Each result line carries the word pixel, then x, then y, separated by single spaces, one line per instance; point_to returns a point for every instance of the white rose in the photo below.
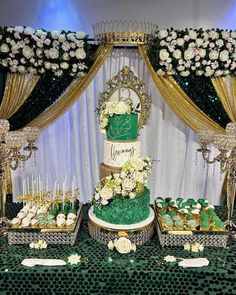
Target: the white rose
pixel 180 68
pixel 192 34
pixel 111 106
pixel 225 35
pixel 47 65
pixel 224 55
pixel 62 38
pixel 219 42
pixel 55 34
pixel 53 53
pixel 173 35
pixel 64 65
pixel 180 41
pixel 27 52
pixel 184 73
pixel 138 176
pixel 164 54
pixel 39 33
pixel 110 245
pixel 74 259
pixel 162 34
pixel 4 48
pixel 233 34
pixel 80 35
pixel 39 52
pixel 123 174
pixel 199 42
pixel 106 193
pixel 29 31
pixel 189 54
pixel 218 73
pixel 65 56
pixel 132 195
pixel 205 36
pixel 202 52
pixel 118 190
pixel 199 73
pixel 213 35
pixel 177 54
pixel 123 245
pixel 80 53
pixel 21 69
pixel 104 202
pixel 19 29
pixel 128 184
pixel 122 108
pixel 209 72
pixel 160 72
pixel 213 54
pixel 136 163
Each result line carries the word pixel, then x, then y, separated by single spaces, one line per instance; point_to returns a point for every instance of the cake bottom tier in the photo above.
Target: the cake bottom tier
pixel 125 211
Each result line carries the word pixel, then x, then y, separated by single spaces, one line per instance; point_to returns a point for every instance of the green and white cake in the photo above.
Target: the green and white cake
pixel 120 199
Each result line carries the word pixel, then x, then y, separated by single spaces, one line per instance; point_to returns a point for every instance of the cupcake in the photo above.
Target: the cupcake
pixel 161 212
pixel 60 222
pixel 26 222
pixel 171 213
pixel 188 217
pixel 34 222
pixel 70 222
pixel 179 225
pixel 182 213
pixel 191 224
pixel 168 224
pixel 219 225
pixel 205 224
pixel 195 213
pixel 16 221
pixel 176 218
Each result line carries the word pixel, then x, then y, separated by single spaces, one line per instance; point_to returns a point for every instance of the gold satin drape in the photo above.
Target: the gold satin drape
pixel 226 90
pixel 73 92
pixel 179 102
pixel 17 90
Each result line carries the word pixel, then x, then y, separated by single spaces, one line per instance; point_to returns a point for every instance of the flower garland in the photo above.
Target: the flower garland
pixel 125 184
pixel 36 51
pixel 184 52
pixel 111 107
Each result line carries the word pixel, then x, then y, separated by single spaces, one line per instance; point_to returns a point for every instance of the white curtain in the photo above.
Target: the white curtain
pixel 73 145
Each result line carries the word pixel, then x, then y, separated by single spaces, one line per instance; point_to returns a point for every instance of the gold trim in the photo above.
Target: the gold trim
pixel 72 93
pixel 127 80
pixel 178 101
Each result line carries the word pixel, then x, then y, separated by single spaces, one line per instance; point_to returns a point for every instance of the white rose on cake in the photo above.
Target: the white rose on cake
pixel 111 106
pixel 128 184
pixel 106 193
pixel 138 176
pixel 123 245
pixel 136 163
pixel 122 108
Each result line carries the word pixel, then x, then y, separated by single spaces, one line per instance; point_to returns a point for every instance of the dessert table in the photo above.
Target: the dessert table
pixel 108 272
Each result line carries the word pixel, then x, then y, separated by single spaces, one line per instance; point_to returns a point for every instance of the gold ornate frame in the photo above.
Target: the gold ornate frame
pixel 126 79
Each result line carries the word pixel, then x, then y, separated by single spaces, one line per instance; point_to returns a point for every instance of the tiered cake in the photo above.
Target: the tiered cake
pixel 121 201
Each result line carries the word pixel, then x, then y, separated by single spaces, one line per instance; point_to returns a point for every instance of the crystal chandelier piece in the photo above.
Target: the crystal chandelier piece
pixel 225 142
pixel 15 147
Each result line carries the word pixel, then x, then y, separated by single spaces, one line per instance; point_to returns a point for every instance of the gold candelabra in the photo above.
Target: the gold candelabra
pixel 225 142
pixel 15 147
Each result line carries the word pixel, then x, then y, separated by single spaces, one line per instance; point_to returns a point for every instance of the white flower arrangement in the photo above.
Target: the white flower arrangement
pixel 111 107
pixel 123 245
pixel 195 247
pixel 203 53
pixel 27 50
pixel 126 184
pixel 40 244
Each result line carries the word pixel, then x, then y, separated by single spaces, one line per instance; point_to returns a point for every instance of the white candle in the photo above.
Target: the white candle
pixel 24 186
pixel 47 183
pixel 28 186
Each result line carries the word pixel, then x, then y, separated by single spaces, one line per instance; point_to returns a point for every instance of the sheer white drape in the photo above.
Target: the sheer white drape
pixel 73 145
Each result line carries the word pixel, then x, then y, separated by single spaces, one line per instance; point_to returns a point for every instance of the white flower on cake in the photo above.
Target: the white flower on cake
pixel 74 259
pixel 125 184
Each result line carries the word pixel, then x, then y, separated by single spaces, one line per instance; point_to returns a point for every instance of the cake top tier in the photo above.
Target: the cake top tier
pixel 119 119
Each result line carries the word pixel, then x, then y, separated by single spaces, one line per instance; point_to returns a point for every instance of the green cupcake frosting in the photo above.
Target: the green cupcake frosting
pixel 192 224
pixel 167 200
pixel 179 224
pixel 205 224
pixel 166 217
pixel 159 199
pixel 203 214
pixel 162 212
pixel 176 218
pixel 191 202
pixel 179 200
pixel 171 213
pixel 219 224
pixel 189 217
pixel 169 223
